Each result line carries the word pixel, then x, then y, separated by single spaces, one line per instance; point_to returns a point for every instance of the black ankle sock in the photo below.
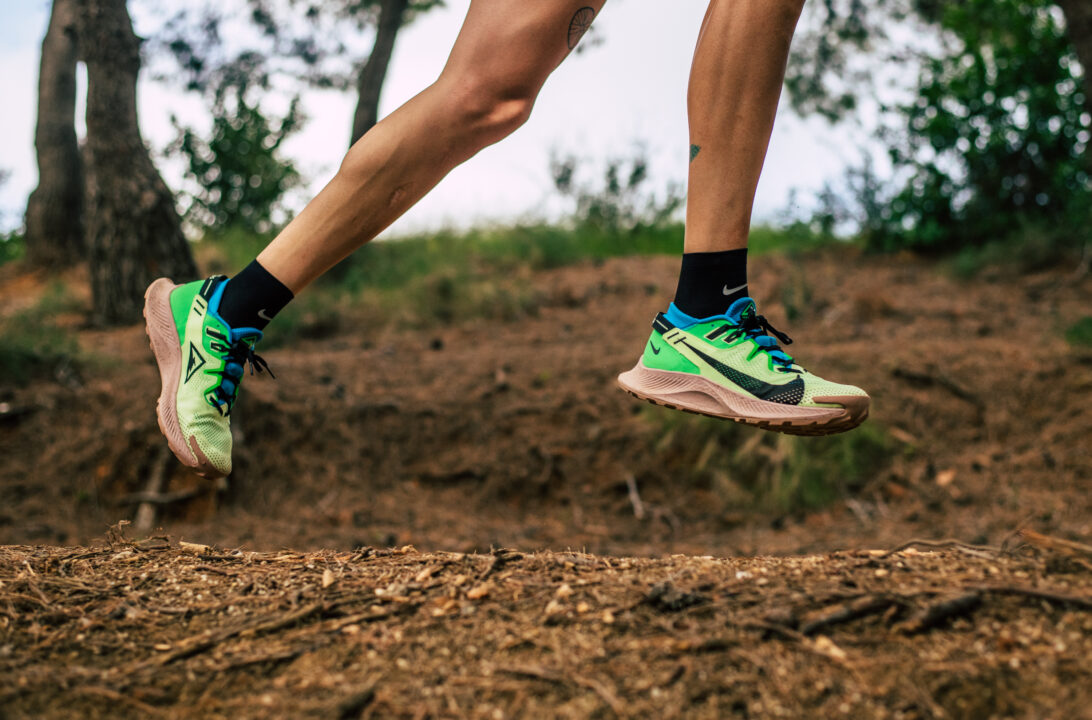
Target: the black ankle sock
pixel 253 297
pixel 711 281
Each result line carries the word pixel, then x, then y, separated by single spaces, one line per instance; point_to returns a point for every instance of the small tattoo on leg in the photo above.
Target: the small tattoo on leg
pixel 694 150
pixel 582 20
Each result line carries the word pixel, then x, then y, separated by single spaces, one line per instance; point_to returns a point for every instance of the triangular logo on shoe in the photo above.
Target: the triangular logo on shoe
pixel 195 362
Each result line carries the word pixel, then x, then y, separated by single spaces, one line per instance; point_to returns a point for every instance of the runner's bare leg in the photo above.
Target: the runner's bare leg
pixel 502 56
pixel 735 84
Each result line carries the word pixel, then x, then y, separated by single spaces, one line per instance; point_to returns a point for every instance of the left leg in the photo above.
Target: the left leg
pixel 204 333
pixel 710 352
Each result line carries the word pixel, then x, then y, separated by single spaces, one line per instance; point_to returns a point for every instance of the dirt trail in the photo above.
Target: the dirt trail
pixel 148 630
pixel 480 434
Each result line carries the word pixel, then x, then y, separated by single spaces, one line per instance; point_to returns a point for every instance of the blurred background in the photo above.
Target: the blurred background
pixel 921 229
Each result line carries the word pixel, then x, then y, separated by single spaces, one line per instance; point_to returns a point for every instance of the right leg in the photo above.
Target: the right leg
pixel 711 352
pixel 203 333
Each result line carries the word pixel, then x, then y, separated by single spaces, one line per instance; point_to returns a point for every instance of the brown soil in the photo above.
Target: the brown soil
pixel 147 630
pixel 482 434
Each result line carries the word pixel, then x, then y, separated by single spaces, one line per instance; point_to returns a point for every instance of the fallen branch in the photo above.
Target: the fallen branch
pixel 1046 542
pixel 115 696
pixel 146 511
pixel 848 612
pixel 981 551
pixel 1083 602
pixel 635 497
pixel 195 645
pixel 604 694
pixel 940 612
pixel 499 558
pixel 537 673
pixel 353 706
pixel 923 378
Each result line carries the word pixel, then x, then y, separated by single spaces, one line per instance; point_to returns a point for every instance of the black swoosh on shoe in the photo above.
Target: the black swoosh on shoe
pixel 791 393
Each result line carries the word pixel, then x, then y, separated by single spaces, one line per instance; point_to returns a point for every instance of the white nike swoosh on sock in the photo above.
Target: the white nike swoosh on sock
pixel 263 316
pixel 728 291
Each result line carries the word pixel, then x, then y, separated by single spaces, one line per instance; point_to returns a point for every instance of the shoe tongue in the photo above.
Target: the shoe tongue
pixel 742 308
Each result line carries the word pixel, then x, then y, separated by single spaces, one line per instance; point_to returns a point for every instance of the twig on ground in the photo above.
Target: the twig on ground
pixel 275 656
pixel 537 673
pixel 1085 603
pixel 115 696
pixel 848 612
pixel 194 645
pixel 943 381
pixel 146 511
pixel 981 551
pixel 499 558
pixel 604 694
pixel 1046 542
pixel 939 612
pixel 354 705
pixel 635 497
pixel 786 633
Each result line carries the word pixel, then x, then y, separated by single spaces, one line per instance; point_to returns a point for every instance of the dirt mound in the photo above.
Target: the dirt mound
pixel 153 629
pixel 391 434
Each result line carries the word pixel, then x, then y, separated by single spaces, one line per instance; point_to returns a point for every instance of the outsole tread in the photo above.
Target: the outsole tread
pixel 833 427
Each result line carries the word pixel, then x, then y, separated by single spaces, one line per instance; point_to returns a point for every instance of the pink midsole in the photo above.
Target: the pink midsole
pixel 168 355
pixel 694 392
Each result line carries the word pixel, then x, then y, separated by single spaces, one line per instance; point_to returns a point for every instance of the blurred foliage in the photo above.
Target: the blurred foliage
pixel 994 142
pixel 31 342
pixel 12 246
pixel 820 77
pixel 769 471
pixel 998 137
pixel 300 40
pixel 441 277
pixel 236 171
pixel 622 203
pixel 1080 332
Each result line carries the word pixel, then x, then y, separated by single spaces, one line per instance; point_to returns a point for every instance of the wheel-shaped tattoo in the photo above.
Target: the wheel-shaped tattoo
pixel 582 20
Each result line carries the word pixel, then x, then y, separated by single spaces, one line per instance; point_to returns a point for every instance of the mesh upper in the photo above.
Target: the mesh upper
pixel 196 417
pixel 739 357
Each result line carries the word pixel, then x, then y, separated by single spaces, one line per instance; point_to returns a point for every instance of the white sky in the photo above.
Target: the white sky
pixel 598 104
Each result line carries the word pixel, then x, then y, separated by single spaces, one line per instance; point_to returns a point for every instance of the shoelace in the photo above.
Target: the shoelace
pixel 756 327
pixel 238 356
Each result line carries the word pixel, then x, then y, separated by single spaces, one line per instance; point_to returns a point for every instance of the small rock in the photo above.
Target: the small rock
pixel 478 592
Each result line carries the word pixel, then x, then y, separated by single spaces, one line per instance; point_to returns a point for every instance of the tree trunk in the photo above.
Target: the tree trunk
pixel 133 228
pixel 54 218
pixel 1078 19
pixel 369 83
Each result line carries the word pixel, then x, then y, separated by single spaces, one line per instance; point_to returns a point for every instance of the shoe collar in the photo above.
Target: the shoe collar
pixel 234 334
pixel 733 314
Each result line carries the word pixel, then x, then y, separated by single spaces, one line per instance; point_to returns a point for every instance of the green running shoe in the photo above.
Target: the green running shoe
pixel 727 366
pixel 201 361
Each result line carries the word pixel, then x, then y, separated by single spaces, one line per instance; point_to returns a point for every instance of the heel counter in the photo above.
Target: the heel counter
pixel 661 355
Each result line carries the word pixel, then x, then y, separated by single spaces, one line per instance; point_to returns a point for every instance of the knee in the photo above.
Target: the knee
pixel 486 110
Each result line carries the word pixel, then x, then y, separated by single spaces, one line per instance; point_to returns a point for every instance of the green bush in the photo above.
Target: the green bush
pixel 753 469
pixel 444 276
pixel 997 139
pixel 12 246
pixel 1079 333
pixel 622 203
pixel 237 175
pixel 31 343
